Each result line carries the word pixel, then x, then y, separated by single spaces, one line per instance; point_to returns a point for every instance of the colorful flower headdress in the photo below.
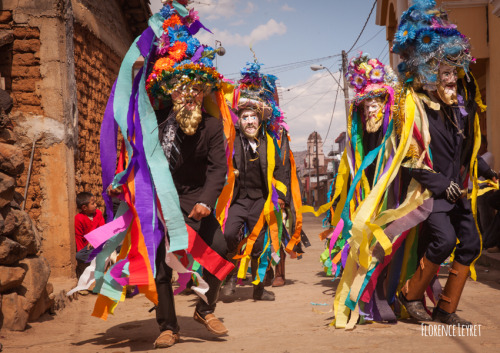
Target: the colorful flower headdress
pixel 369 77
pixel 259 92
pixel 424 39
pixel 180 57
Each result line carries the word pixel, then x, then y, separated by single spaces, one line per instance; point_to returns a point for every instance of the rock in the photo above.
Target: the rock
pixel 18 197
pixel 44 304
pixel 11 251
pixel 11 220
pixel 8 136
pixel 11 159
pixel 11 277
pixel 15 317
pixel 35 281
pixel 24 233
pixel 7 189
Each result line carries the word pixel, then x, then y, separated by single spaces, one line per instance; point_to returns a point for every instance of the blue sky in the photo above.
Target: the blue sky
pixel 287 37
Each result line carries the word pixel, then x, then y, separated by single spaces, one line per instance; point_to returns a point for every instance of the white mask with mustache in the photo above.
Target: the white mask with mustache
pixel 249 123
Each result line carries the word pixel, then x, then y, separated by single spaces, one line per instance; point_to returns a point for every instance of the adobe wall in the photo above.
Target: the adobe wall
pixel 96 68
pixel 39 76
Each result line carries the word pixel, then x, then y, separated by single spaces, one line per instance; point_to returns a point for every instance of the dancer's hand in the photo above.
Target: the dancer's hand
pixel 199 211
pixel 114 192
pixel 453 192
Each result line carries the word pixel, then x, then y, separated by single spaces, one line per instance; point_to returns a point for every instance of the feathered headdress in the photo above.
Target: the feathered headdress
pixel 369 77
pixel 180 57
pixel 259 92
pixel 424 39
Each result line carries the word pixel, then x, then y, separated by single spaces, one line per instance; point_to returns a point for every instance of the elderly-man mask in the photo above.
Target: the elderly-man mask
pixel 374 110
pixel 249 123
pixel 187 101
pixel 447 84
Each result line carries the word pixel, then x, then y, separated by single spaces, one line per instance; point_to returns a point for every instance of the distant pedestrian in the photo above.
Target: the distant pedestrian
pixel 88 219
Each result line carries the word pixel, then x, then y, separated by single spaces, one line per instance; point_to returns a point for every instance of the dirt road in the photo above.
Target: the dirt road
pixel 293 323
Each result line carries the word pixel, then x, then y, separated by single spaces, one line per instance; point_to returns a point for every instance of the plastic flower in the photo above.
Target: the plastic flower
pixel 425 4
pixel 163 45
pixel 177 51
pixel 427 41
pixel 377 74
pixel 163 64
pixel 405 34
pixel 192 46
pixel 358 81
pixel 374 63
pixel 178 34
pixel 182 63
pixel 207 62
pixel 192 17
pixel 166 11
pixel 171 22
pixel 364 68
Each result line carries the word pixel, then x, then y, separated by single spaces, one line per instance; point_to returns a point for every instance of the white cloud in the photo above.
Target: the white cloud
pixel 258 34
pixel 287 8
pixel 251 7
pixel 237 23
pixel 309 108
pixel 214 9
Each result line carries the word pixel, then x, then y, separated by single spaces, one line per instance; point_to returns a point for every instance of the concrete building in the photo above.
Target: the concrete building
pixel 59 69
pixel 479 20
pixel 315 168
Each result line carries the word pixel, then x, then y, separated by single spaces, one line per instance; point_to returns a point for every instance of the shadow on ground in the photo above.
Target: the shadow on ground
pixel 139 335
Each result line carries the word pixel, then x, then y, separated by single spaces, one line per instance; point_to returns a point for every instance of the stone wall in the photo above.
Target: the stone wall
pixel 96 68
pixel 25 293
pixel 20 67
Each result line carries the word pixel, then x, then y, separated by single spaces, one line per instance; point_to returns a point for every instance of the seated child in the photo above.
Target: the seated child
pixel 86 221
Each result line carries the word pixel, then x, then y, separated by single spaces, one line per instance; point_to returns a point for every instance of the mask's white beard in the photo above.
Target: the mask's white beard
pixel 249 135
pixel 188 120
pixel 374 122
pixel 447 95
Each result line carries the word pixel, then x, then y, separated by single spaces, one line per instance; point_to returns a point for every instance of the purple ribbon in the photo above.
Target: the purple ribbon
pixel 116 273
pixel 343 257
pixel 196 26
pixel 198 53
pixel 144 43
pixel 109 131
pixel 145 201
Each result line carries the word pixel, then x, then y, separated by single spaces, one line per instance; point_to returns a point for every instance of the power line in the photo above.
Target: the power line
pixel 369 40
pixel 331 118
pixel 383 49
pixel 289 66
pixel 362 30
pixel 312 105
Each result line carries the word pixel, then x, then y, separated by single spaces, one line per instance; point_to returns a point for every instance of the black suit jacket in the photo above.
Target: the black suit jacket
pixel 239 164
pixel 200 172
pixel 451 153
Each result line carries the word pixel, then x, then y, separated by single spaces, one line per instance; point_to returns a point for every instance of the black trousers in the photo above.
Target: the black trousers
pixel 209 230
pixel 442 229
pixel 244 211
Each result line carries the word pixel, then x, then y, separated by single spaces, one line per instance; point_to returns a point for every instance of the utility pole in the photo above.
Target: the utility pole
pixel 317 168
pixel 346 85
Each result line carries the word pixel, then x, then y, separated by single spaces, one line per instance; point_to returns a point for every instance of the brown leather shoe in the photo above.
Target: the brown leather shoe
pixel 278 282
pixel 212 324
pixel 166 339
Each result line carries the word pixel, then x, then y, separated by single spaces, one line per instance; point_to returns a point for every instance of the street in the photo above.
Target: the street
pixel 298 321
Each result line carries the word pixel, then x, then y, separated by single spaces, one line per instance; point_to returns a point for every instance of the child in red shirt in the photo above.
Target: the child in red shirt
pixel 86 221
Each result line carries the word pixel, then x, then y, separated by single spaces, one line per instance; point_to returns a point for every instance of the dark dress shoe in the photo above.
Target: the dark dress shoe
pixel 415 308
pixel 449 319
